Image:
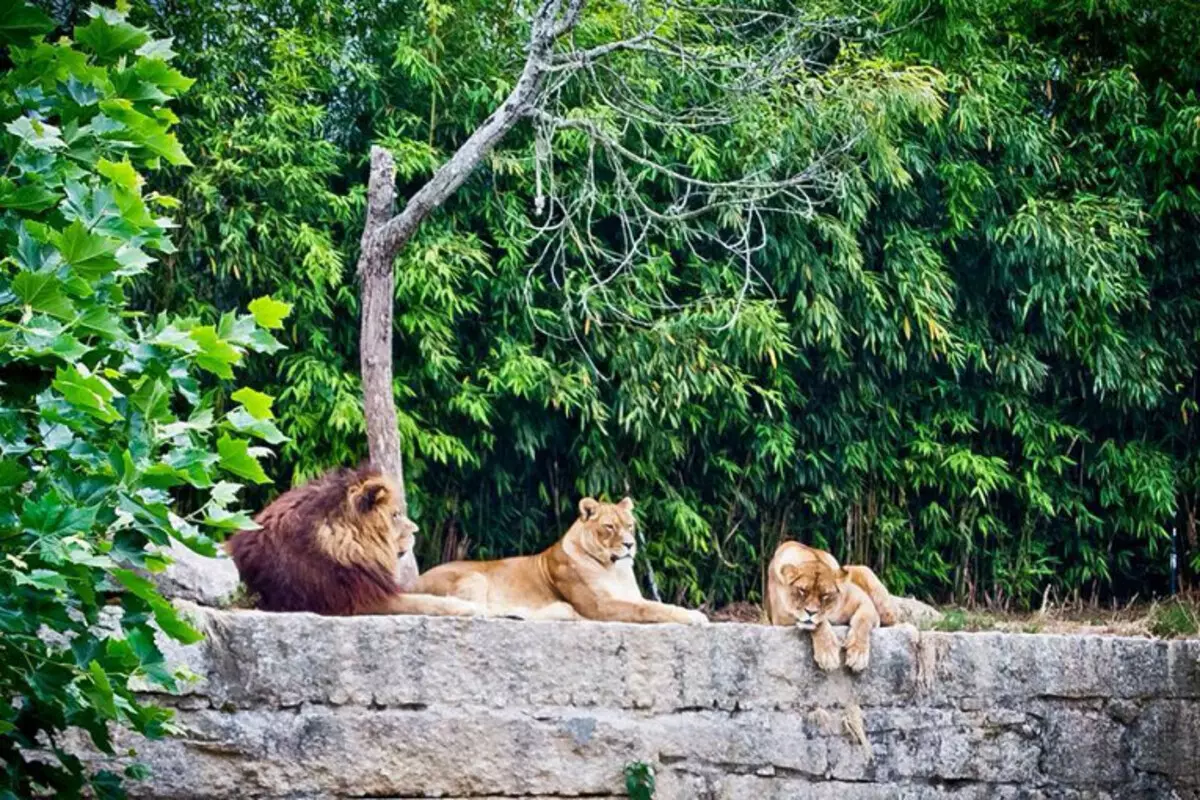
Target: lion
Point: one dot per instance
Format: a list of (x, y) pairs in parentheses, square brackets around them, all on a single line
[(587, 574), (331, 547), (807, 588)]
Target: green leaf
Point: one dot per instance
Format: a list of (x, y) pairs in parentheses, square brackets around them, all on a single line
[(237, 459), (170, 623), (108, 35), (20, 22), (270, 313), (103, 696), (243, 422), (256, 402), (120, 172), (41, 579), (102, 322), (27, 197), (87, 392), (146, 131), (158, 48), (162, 75), (43, 293), (215, 354), (138, 585), (229, 521), (36, 134), (91, 255)]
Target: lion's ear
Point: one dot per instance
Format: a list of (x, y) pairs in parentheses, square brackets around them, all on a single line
[(370, 494), (587, 508), (789, 573), (626, 504)]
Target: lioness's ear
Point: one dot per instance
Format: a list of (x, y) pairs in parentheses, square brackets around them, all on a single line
[(843, 574), (789, 573), (626, 504), (587, 508), (370, 494)]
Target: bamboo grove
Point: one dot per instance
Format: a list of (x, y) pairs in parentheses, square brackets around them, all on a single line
[(973, 365)]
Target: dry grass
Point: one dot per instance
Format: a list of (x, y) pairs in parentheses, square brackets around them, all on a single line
[(1176, 618), (1168, 619)]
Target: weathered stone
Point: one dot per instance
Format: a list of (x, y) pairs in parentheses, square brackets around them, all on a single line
[(307, 706), (915, 612), (199, 579)]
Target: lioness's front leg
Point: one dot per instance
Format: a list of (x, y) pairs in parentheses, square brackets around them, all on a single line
[(611, 610), (858, 643), (430, 605), (826, 651)]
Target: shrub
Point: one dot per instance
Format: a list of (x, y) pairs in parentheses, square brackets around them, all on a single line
[(109, 442)]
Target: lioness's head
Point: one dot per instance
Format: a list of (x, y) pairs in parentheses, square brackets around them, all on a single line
[(607, 530), (366, 528), (812, 591)]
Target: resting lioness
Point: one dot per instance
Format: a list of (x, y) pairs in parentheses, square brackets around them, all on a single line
[(587, 574), (806, 587)]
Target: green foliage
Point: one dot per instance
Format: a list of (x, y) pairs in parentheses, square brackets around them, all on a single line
[(107, 432), (1176, 617), (974, 368), (639, 780)]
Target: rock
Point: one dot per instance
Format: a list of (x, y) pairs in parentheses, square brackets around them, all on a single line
[(297, 705), (197, 578), (915, 612)]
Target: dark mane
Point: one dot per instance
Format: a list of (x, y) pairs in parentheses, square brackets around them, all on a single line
[(283, 563)]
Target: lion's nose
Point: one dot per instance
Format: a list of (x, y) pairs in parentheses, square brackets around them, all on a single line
[(629, 543)]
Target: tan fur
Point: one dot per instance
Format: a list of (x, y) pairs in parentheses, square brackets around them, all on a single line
[(806, 587), (587, 574), (866, 579)]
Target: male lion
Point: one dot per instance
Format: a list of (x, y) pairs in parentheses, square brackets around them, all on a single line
[(587, 574), (806, 587), (330, 547)]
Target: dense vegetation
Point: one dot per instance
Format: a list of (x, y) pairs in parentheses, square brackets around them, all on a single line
[(975, 370), (972, 363), (109, 441)]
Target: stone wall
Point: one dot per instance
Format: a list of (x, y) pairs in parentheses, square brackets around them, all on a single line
[(295, 705)]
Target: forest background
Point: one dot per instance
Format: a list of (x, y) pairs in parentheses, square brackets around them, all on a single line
[(975, 370), (961, 348)]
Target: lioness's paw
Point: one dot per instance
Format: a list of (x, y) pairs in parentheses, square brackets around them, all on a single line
[(858, 654), (828, 657), (696, 618)]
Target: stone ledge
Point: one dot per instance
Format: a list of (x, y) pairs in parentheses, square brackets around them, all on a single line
[(301, 705)]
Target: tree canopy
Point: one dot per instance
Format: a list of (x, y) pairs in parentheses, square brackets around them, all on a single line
[(972, 365), (915, 281)]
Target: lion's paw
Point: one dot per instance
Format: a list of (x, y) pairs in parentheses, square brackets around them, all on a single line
[(858, 655), (696, 618)]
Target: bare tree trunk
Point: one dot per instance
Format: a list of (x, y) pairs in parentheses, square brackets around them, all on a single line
[(375, 340), (385, 235)]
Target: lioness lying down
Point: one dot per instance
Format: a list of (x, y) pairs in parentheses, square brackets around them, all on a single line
[(588, 574), (807, 588)]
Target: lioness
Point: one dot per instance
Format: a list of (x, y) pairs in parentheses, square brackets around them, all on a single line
[(807, 588), (587, 574)]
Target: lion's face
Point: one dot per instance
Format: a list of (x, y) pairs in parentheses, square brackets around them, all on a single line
[(812, 592), (369, 527), (608, 530)]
